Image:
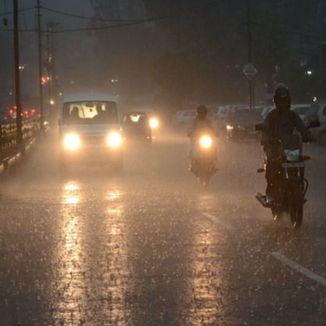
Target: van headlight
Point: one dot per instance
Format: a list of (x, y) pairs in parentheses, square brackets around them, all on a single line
[(114, 140), (206, 142), (71, 142)]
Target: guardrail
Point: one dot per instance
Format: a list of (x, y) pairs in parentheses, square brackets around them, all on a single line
[(10, 153), (8, 130)]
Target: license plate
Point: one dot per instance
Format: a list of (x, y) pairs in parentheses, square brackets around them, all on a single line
[(293, 165)]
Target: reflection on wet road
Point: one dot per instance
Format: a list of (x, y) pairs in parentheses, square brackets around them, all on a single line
[(70, 282), (152, 247)]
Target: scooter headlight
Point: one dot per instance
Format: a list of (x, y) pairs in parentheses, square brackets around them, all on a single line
[(114, 140), (229, 127), (154, 123), (206, 142), (71, 142)]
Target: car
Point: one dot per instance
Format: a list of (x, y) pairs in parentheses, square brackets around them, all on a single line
[(89, 129), (301, 109), (241, 124), (184, 118), (265, 111), (317, 112), (136, 125)]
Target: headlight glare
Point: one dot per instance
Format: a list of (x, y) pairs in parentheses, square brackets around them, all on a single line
[(154, 123), (114, 140), (206, 142), (71, 142)]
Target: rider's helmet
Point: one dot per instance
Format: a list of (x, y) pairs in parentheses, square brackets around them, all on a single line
[(282, 97), (202, 112)]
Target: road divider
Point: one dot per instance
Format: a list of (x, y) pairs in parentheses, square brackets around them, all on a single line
[(300, 269)]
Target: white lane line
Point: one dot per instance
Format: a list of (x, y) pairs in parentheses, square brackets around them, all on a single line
[(215, 220), (305, 271)]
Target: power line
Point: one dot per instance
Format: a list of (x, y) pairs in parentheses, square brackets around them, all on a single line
[(88, 17), (126, 23), (19, 11)]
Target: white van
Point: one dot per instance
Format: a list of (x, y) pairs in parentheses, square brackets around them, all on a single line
[(90, 129)]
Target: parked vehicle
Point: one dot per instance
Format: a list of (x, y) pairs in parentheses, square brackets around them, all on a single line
[(317, 112), (241, 125), (184, 118), (301, 109), (265, 111)]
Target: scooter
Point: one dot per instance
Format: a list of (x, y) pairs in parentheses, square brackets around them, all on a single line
[(203, 157)]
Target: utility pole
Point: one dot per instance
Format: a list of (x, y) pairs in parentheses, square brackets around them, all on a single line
[(40, 63), (249, 51), (250, 57), (50, 62), (19, 133)]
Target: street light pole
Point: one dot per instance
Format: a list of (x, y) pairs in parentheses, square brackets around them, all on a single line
[(19, 133), (40, 63), (251, 86)]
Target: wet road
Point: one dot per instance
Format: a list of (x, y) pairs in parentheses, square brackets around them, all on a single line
[(151, 247)]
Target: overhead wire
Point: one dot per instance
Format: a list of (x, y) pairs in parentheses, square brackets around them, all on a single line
[(62, 13), (126, 23), (19, 11)]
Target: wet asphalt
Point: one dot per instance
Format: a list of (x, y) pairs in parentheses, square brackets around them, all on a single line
[(152, 247)]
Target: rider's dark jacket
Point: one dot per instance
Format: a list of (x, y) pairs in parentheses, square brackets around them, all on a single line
[(279, 124)]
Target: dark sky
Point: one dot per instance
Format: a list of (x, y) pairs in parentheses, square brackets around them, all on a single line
[(78, 7)]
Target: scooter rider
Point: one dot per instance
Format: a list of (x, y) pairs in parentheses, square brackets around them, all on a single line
[(201, 122), (201, 125), (279, 123)]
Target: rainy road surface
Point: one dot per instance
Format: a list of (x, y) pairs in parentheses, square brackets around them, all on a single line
[(152, 248)]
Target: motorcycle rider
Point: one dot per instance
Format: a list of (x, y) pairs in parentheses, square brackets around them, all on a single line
[(201, 122), (201, 125), (279, 123)]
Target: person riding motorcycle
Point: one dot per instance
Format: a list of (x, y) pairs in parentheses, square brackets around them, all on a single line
[(279, 123), (201, 125)]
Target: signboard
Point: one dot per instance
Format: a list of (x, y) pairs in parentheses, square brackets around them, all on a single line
[(250, 71)]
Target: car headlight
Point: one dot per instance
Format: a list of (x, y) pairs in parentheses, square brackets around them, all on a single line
[(206, 142), (229, 127), (154, 123), (114, 140), (71, 142)]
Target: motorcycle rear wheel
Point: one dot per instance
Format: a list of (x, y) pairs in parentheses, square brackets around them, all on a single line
[(296, 209), (277, 213)]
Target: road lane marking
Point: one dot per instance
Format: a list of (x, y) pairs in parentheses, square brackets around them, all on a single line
[(305, 271), (215, 220)]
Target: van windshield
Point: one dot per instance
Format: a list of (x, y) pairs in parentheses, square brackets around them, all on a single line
[(90, 112)]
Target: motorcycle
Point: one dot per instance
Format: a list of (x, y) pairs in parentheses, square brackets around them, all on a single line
[(203, 157), (289, 185)]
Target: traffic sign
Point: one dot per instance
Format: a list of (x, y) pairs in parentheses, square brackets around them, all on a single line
[(250, 71)]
